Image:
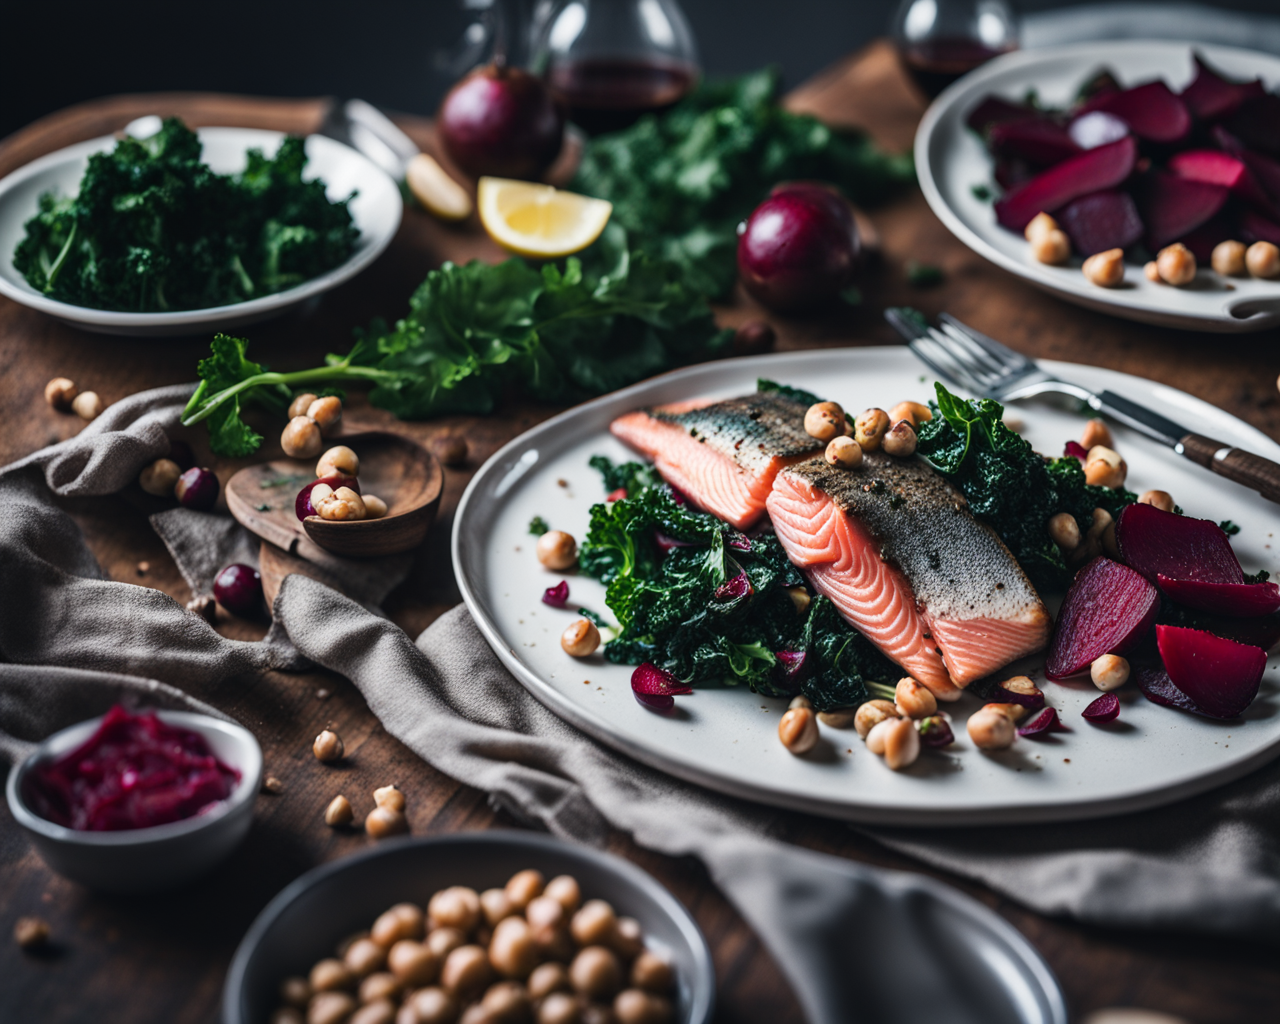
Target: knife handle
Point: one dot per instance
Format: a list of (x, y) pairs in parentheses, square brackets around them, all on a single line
[(1236, 464)]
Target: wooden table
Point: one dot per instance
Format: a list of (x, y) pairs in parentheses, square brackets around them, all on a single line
[(163, 958)]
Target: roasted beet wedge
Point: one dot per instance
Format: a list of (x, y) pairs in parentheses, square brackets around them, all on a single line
[(1257, 123), (1203, 239), (1151, 111), (1108, 610), (1101, 221), (1212, 95), (1265, 170), (1256, 228), (1009, 174), (1157, 687), (1240, 600), (1036, 139), (1218, 168), (1156, 542), (1098, 169), (994, 110), (1172, 206), (1220, 676)]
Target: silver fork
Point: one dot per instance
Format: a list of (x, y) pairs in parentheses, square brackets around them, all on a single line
[(970, 360)]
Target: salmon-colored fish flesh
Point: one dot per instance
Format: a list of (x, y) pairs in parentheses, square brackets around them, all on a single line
[(723, 456)]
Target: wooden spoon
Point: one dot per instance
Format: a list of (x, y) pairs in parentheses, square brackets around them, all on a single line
[(399, 471)]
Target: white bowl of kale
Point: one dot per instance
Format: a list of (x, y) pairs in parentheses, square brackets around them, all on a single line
[(185, 232)]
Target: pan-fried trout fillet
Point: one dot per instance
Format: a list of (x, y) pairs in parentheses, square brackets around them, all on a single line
[(722, 455), (895, 548)]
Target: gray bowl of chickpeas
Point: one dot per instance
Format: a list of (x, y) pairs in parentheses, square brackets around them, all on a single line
[(478, 928)]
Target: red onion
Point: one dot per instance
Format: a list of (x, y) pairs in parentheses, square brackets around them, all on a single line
[(791, 663), (1077, 449), (238, 588), (935, 731), (735, 589), (197, 488), (302, 506), (666, 543), (556, 596), (502, 121)]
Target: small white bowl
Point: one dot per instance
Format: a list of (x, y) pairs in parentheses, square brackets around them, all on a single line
[(143, 859)]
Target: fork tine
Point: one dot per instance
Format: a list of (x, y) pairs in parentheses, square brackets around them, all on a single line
[(1010, 358), (976, 368), (943, 363), (975, 352)]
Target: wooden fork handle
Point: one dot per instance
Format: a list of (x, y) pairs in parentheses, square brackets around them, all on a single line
[(1236, 464)]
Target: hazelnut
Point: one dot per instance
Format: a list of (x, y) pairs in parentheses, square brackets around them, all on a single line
[(430, 1006), (374, 507), (512, 951), (330, 974), (870, 427), (87, 405), (1051, 247), (593, 924), (375, 1011), (1228, 259), (798, 730), (580, 639), (443, 941), (560, 1008), (596, 973), (343, 505), (451, 451), (1103, 467), (914, 413), (338, 461), (844, 452), (160, 477), (379, 985), (456, 907), (403, 921), (364, 956), (300, 405), (301, 438), (652, 973), (381, 823), (900, 441), (330, 1008), (495, 906), (564, 890), (339, 812), (60, 393), (1064, 531), (1162, 500), (413, 963), (800, 701), (547, 978), (326, 413), (466, 970), (524, 886), (902, 744), (838, 718), (990, 729), (295, 992), (1105, 269), (1151, 271), (913, 700), (557, 550), (824, 420), (327, 746), (1176, 264), (1096, 432), (544, 912), (507, 1002), (1263, 259), (1109, 672), (31, 932), (1038, 225), (389, 797), (872, 713)]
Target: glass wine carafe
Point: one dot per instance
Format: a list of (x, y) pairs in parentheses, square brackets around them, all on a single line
[(611, 61), (940, 40)]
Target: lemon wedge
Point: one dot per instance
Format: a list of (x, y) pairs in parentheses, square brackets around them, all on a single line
[(537, 220), (433, 188)]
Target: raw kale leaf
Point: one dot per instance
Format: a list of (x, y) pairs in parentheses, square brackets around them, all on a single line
[(682, 181), (674, 579), (1009, 485), (632, 477), (152, 228), (786, 391)]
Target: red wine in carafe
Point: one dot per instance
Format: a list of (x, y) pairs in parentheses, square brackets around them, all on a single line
[(935, 63), (603, 95)]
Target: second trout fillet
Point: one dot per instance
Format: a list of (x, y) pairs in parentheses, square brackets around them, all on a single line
[(895, 548)]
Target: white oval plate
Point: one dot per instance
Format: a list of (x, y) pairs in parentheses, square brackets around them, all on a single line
[(951, 160), (727, 739), (376, 211)]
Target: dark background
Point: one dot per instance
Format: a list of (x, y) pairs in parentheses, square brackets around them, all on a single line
[(381, 50)]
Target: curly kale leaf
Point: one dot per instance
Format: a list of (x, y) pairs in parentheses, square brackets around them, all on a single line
[(786, 391), (631, 477)]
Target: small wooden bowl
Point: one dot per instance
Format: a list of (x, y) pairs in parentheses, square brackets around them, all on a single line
[(399, 471)]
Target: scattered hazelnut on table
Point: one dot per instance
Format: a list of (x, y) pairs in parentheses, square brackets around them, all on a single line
[(389, 797), (31, 932), (451, 451), (160, 477), (1228, 259), (1051, 247), (87, 405), (338, 812), (60, 393), (328, 746), (338, 461), (557, 549), (272, 785), (301, 438), (580, 639), (300, 405), (382, 822), (326, 413)]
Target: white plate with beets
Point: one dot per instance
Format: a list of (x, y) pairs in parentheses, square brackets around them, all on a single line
[(727, 738), (958, 176)]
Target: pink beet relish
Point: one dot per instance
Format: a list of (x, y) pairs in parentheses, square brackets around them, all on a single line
[(135, 771)]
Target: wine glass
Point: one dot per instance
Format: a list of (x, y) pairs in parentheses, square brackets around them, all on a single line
[(940, 40), (610, 61)]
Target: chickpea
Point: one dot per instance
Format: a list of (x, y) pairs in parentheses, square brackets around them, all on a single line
[(559, 1008), (1064, 531), (1151, 271), (596, 1013), (512, 951), (507, 1001), (300, 405), (364, 956), (287, 1015), (800, 598), (495, 906), (634, 1006), (564, 889), (1105, 269), (913, 700), (330, 974), (160, 477), (902, 744), (338, 461), (878, 737), (1177, 264), (1263, 259), (457, 907), (596, 973), (466, 969), (1102, 533), (377, 1011), (1096, 432), (557, 550), (545, 912), (1162, 500), (914, 413), (392, 799), (824, 421), (1014, 712), (60, 393), (652, 973), (593, 924), (326, 413), (374, 507), (379, 985), (443, 941), (382, 822), (343, 505), (900, 441), (547, 978), (554, 943), (1228, 259), (1051, 247), (872, 713), (838, 718), (403, 921), (295, 991), (798, 730), (523, 886), (869, 429), (1039, 225), (628, 938), (580, 639), (330, 1008), (339, 812), (1104, 467), (433, 1006), (1109, 672), (990, 730), (412, 963), (328, 746), (87, 405), (844, 452)]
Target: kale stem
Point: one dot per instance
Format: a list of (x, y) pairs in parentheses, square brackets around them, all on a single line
[(62, 258), (197, 411)]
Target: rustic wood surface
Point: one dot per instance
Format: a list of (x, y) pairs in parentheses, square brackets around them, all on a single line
[(163, 958)]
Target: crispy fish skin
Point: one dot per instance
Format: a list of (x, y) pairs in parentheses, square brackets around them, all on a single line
[(752, 430)]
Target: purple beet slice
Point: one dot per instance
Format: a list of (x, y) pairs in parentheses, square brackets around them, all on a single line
[(1151, 111), (1257, 123), (1009, 174), (994, 110), (1219, 168), (1211, 95), (1256, 228), (1219, 675), (1240, 600), (1155, 542), (1203, 239), (1036, 139), (1041, 724), (656, 688), (1096, 128), (1092, 171), (1157, 687), (1103, 710), (1173, 207), (1265, 170), (1108, 610), (1101, 221)]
